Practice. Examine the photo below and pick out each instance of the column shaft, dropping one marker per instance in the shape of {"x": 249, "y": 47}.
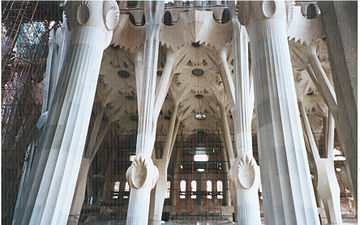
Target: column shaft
{"x": 158, "y": 195}
{"x": 79, "y": 194}
{"x": 245, "y": 171}
{"x": 287, "y": 189}
{"x": 142, "y": 175}
{"x": 61, "y": 145}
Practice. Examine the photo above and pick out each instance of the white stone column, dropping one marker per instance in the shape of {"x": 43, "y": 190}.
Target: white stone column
{"x": 163, "y": 89}
{"x": 287, "y": 189}
{"x": 226, "y": 133}
{"x": 56, "y": 166}
{"x": 228, "y": 155}
{"x": 175, "y": 183}
{"x": 244, "y": 172}
{"x": 142, "y": 174}
{"x": 48, "y": 93}
{"x": 327, "y": 185}
{"x": 79, "y": 194}
{"x": 342, "y": 47}
{"x": 227, "y": 163}
{"x": 158, "y": 194}
{"x": 95, "y": 138}
{"x": 326, "y": 90}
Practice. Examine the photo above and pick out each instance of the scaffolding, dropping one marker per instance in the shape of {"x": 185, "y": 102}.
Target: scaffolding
{"x": 197, "y": 201}
{"x": 24, "y": 36}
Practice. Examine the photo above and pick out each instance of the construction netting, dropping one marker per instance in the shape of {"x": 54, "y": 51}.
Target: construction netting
{"x": 24, "y": 36}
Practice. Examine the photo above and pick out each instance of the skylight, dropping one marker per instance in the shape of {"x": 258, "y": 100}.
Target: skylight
{"x": 201, "y": 158}
{"x": 200, "y": 116}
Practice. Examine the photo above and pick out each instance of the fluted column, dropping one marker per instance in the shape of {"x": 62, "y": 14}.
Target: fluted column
{"x": 287, "y": 189}
{"x": 48, "y": 93}
{"x": 79, "y": 194}
{"x": 142, "y": 175}
{"x": 244, "y": 172}
{"x": 57, "y": 163}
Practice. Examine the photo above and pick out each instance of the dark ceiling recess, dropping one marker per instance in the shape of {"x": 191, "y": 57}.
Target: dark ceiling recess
{"x": 123, "y": 74}
{"x": 115, "y": 47}
{"x": 132, "y": 19}
{"x": 310, "y": 93}
{"x": 167, "y": 18}
{"x": 196, "y": 44}
{"x": 132, "y": 4}
{"x": 130, "y": 97}
{"x": 311, "y": 11}
{"x": 143, "y": 20}
{"x": 199, "y": 96}
{"x": 225, "y": 16}
{"x": 197, "y": 72}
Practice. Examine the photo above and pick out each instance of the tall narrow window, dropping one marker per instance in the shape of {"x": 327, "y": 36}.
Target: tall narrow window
{"x": 182, "y": 186}
{"x": 116, "y": 190}
{"x": 127, "y": 190}
{"x": 127, "y": 187}
{"x": 208, "y": 186}
{"x": 209, "y": 189}
{"x": 219, "y": 188}
{"x": 193, "y": 185}
{"x": 167, "y": 195}
{"x": 182, "y": 189}
{"x": 193, "y": 189}
{"x": 117, "y": 186}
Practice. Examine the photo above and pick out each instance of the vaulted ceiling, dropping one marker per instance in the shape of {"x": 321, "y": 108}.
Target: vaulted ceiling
{"x": 196, "y": 35}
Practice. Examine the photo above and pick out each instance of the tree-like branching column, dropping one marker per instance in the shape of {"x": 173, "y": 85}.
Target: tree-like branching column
{"x": 142, "y": 175}
{"x": 57, "y": 162}
{"x": 287, "y": 189}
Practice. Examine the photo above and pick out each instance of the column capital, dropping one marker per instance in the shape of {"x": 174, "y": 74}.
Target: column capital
{"x": 244, "y": 173}
{"x": 101, "y": 14}
{"x": 255, "y": 11}
{"x": 142, "y": 172}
